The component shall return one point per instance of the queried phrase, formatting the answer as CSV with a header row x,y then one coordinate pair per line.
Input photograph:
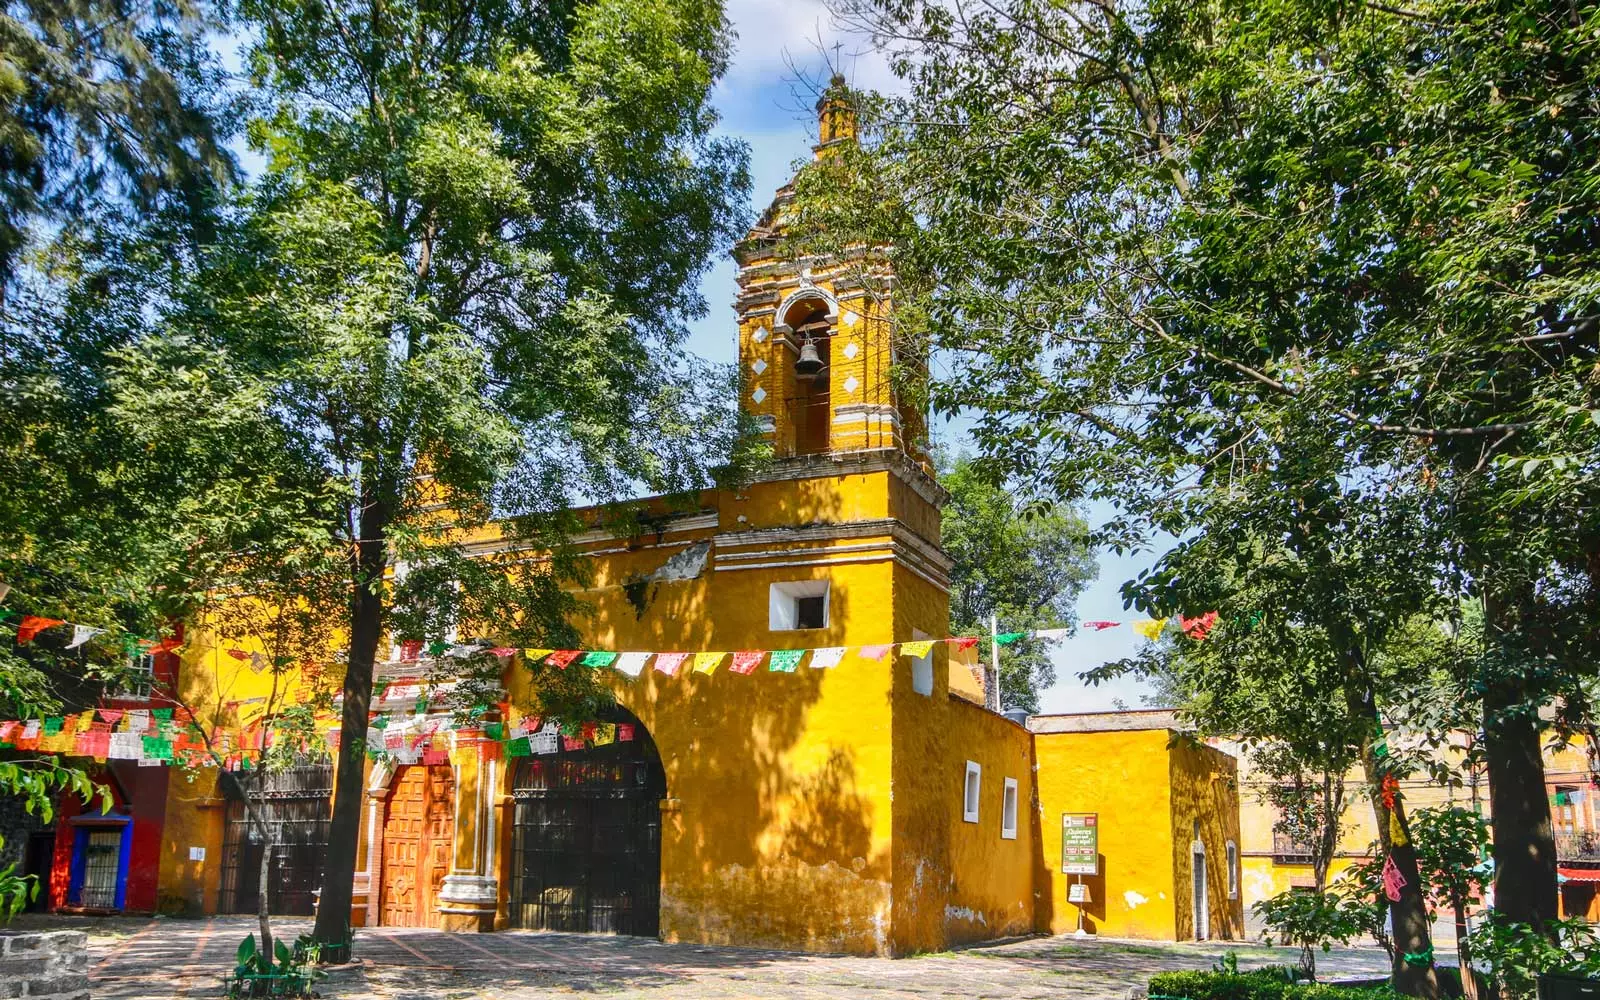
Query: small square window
x,y
140,677
972,792
1008,810
797,604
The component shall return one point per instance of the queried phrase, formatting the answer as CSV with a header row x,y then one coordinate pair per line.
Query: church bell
x,y
808,365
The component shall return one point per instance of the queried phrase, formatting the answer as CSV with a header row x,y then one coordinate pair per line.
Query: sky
x,y
783,49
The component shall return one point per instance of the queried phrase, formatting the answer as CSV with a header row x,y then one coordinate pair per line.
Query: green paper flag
x,y
785,660
598,658
1007,638
518,747
164,714
52,726
494,731
436,648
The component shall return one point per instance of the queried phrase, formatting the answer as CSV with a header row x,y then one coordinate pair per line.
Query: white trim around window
x,y
1008,810
1233,870
971,792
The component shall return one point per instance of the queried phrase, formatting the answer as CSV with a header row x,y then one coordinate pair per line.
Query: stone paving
x,y
163,958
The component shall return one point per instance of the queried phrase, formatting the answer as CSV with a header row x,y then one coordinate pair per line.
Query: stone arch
x,y
806,293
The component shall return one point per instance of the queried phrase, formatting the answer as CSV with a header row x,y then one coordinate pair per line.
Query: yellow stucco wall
x,y
1205,800
779,826
1124,777
992,883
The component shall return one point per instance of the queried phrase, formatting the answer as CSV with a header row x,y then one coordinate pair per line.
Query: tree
x,y
103,97
455,295
1306,792
1451,847
1165,238
1025,566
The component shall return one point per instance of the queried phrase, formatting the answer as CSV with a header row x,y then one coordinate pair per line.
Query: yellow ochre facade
x,y
829,810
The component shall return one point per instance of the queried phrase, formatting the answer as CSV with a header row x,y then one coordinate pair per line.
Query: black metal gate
x,y
294,805
587,839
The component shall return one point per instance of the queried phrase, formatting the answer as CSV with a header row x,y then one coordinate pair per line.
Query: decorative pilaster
x,y
470,893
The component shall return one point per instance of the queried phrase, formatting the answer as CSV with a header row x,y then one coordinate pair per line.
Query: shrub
x,y
1258,985
1515,955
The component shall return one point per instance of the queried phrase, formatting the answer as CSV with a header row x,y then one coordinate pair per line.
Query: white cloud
x,y
779,37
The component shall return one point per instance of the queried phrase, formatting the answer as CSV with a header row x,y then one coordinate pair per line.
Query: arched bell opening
x,y
810,321
586,839
292,811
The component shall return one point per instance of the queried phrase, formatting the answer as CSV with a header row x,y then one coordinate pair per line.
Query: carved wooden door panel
x,y
439,826
403,834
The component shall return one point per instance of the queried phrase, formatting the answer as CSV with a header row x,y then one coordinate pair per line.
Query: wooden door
x,y
418,840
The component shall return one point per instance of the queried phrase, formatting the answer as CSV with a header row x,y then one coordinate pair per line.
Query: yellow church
x,y
875,806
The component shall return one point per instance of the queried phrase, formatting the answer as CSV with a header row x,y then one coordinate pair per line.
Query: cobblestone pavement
x,y
162,958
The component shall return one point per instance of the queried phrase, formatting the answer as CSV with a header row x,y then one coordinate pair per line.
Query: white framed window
x,y
1008,810
1233,870
797,604
140,678
922,667
972,792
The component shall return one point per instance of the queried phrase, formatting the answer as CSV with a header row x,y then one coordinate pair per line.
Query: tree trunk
x,y
1469,984
332,929
261,899
1524,841
1409,913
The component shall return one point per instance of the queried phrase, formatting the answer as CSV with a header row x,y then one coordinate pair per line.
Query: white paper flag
x,y
546,740
138,720
1051,633
125,746
632,664
259,662
82,634
828,656
31,730
5,588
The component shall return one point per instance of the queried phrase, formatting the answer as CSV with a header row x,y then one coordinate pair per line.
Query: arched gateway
x,y
586,843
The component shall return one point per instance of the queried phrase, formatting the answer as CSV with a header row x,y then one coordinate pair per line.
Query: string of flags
x,y
157,737
29,626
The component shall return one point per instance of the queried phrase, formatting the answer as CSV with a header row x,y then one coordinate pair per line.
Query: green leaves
x,y
1026,566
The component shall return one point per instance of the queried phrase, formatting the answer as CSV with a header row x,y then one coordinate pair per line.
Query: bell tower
x,y
815,333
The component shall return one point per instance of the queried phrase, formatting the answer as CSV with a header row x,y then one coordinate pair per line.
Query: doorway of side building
x,y
294,805
418,845
586,846
1202,906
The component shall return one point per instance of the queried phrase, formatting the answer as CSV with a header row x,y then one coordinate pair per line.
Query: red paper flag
x,y
238,654
1101,626
1196,628
624,732
562,657
32,625
963,641
747,660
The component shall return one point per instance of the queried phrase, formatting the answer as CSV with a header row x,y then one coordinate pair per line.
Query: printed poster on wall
x,y
1080,843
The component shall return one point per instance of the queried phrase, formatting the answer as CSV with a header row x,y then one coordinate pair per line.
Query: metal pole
x,y
994,663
